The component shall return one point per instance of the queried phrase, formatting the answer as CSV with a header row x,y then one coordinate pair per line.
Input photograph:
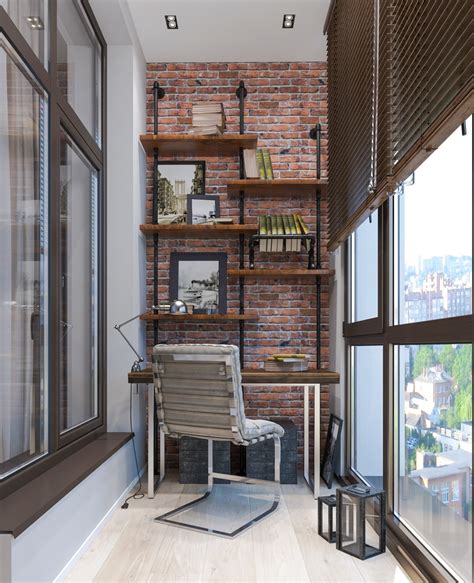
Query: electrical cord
x,y
138,495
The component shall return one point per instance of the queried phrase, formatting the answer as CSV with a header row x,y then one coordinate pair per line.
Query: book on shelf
x,y
250,164
262,230
222,221
206,116
260,164
304,229
287,363
293,242
299,231
280,231
267,164
211,130
287,230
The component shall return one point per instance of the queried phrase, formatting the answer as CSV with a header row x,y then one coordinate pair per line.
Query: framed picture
x,y
177,180
202,209
331,450
200,279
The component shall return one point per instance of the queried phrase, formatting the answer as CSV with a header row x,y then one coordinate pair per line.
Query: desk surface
x,y
249,376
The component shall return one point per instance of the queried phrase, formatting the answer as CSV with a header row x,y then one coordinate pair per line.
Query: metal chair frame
x,y
167,517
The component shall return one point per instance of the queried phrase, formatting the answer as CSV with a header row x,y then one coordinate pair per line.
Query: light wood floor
x,y
283,547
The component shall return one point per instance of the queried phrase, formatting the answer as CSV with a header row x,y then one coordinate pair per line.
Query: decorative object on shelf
x,y
208,118
177,180
286,363
353,507
267,164
331,450
223,221
178,307
327,506
202,209
250,164
200,278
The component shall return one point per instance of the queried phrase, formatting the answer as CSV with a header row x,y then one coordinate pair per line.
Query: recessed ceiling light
x,y
171,21
35,22
288,21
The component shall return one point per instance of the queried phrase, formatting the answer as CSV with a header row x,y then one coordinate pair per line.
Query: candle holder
x,y
327,505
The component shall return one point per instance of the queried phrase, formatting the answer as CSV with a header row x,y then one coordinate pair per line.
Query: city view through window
x,y
435,234
434,489
435,448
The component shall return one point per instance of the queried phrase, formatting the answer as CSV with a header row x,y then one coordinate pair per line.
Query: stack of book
x,y
281,225
208,119
258,164
286,363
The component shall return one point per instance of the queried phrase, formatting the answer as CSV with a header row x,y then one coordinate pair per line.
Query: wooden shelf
x,y
280,273
259,376
249,317
198,230
197,145
280,186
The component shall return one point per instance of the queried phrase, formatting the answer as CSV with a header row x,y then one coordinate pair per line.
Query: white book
x,y
250,164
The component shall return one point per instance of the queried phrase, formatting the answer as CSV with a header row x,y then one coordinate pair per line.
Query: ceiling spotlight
x,y
35,22
171,21
288,21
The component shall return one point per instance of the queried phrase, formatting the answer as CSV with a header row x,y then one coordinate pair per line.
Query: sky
x,y
438,207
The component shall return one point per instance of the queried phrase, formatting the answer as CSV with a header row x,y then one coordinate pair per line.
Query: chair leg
x,y
210,465
167,518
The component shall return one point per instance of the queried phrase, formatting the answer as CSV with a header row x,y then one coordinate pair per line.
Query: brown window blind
x,y
350,111
432,56
424,67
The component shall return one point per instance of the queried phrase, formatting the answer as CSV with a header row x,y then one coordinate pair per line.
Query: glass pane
x,y
435,235
23,265
367,403
31,19
78,304
79,65
434,494
364,243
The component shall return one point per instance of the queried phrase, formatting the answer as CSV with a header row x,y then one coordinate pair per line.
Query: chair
x,y
198,390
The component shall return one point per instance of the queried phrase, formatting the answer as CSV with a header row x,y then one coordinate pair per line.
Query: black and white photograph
x,y
177,180
202,209
200,279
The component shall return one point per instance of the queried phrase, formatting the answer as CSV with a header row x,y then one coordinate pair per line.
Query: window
x,y
32,20
23,264
427,425
78,300
79,65
52,219
434,235
363,254
367,397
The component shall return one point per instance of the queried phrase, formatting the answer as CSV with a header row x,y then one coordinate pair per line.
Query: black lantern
x,y
354,506
328,502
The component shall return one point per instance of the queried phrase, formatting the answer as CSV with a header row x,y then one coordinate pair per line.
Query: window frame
x,y
62,114
417,557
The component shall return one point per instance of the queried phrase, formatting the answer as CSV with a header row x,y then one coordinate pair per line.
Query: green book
x,y
262,229
291,221
287,229
304,228
299,231
260,164
280,231
267,163
274,231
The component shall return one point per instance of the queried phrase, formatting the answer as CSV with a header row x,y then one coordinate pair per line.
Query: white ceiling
x,y
230,30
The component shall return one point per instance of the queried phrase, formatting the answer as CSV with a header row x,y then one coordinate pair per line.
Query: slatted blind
x,y
432,50
424,67
350,109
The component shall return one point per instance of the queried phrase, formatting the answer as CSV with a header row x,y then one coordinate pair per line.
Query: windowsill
x,y
23,507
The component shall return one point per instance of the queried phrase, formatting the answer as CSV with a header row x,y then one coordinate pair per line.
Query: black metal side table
x,y
353,507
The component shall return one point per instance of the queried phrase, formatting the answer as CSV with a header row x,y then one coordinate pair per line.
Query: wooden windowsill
x,y
23,507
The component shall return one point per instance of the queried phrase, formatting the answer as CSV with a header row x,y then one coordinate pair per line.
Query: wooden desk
x,y
311,378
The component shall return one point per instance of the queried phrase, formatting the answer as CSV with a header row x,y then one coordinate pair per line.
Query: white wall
x,y
46,548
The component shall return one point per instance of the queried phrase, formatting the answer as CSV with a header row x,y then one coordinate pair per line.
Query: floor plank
x,y
284,547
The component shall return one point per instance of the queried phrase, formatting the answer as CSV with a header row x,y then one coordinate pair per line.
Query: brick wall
x,y
285,100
